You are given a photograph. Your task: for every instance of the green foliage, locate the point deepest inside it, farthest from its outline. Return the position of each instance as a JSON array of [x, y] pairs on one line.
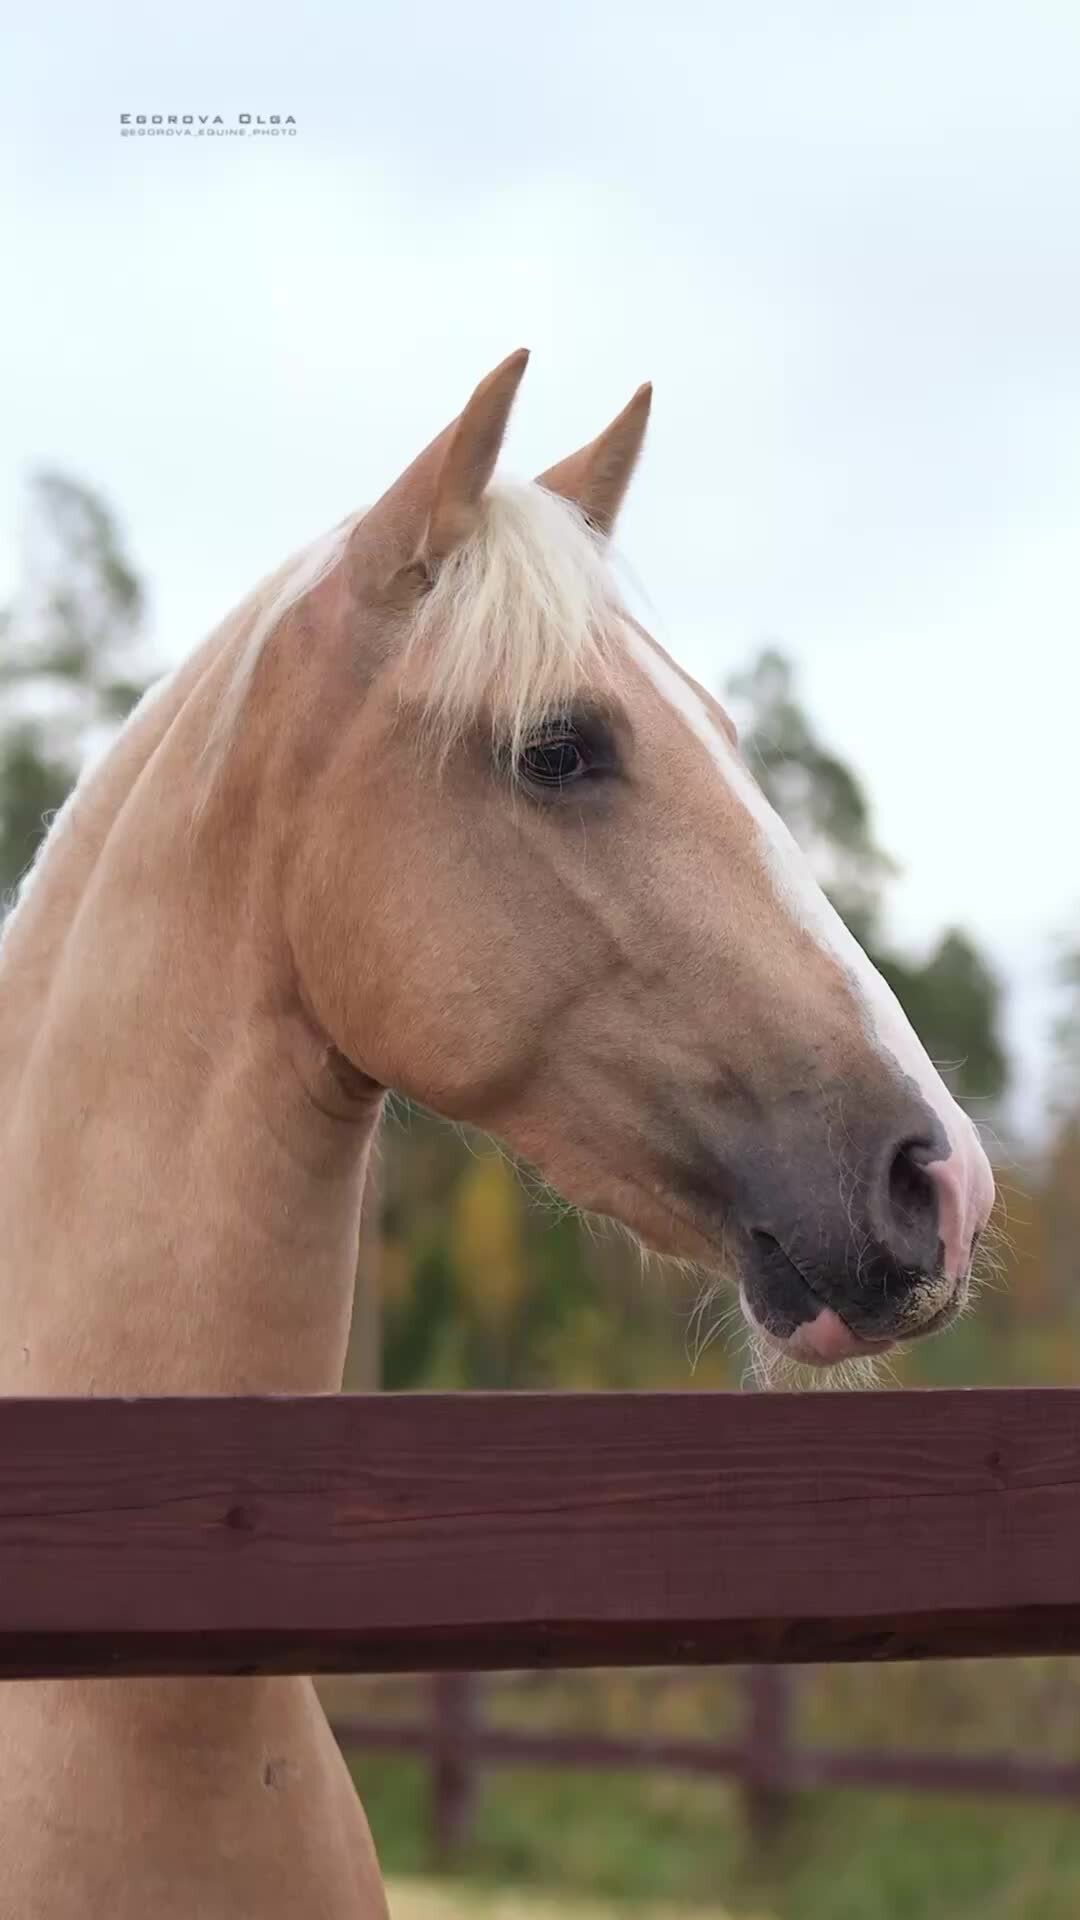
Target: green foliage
[[481, 1287], [1061, 1219], [417, 1328], [32, 786], [641, 1838], [64, 648], [953, 1001], [1065, 1091]]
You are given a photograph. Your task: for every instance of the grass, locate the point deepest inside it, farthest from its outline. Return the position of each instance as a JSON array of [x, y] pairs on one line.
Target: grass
[[630, 1844]]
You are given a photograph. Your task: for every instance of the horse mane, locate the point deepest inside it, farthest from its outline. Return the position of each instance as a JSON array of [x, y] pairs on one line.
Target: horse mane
[[516, 620], [267, 606]]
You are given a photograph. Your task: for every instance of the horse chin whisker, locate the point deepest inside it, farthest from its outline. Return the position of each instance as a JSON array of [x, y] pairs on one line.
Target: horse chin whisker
[[772, 1370]]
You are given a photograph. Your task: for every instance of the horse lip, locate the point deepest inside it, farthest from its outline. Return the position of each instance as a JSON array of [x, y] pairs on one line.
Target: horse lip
[[871, 1342], [776, 1247]]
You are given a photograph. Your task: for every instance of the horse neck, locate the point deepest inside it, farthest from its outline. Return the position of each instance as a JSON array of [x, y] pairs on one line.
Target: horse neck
[[182, 1171]]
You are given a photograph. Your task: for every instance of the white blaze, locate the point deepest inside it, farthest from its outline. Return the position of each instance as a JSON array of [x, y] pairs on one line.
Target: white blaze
[[887, 1026]]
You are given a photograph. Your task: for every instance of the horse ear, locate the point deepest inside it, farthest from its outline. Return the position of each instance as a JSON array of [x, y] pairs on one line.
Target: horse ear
[[435, 504], [597, 476]]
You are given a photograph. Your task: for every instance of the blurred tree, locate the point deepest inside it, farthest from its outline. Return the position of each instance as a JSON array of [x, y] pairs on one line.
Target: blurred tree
[[33, 785], [486, 1241], [1065, 1083], [819, 797], [1060, 1210], [65, 649], [952, 999]]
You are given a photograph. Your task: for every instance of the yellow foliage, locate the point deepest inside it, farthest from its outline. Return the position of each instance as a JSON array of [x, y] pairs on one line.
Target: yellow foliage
[[487, 1242]]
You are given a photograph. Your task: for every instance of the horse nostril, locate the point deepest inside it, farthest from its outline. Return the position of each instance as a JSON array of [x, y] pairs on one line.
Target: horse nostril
[[912, 1193]]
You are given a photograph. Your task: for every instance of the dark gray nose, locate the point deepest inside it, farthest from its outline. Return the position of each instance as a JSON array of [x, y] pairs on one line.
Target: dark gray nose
[[903, 1204], [856, 1231]]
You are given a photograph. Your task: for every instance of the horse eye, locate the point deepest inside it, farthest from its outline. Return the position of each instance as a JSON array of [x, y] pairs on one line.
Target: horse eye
[[564, 751], [555, 757], [553, 760]]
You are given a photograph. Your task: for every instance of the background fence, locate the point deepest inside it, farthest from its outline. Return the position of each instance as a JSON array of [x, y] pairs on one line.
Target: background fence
[[767, 1760]]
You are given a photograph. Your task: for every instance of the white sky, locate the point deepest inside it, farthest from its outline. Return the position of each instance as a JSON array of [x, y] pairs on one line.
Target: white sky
[[840, 238]]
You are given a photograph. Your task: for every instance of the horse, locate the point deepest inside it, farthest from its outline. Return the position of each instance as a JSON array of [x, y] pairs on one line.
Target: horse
[[430, 813]]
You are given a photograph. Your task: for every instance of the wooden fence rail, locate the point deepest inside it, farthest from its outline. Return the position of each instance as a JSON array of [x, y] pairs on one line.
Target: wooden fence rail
[[461, 1531]]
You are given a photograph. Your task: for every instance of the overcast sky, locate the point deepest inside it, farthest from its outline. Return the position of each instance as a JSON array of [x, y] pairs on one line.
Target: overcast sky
[[841, 239]]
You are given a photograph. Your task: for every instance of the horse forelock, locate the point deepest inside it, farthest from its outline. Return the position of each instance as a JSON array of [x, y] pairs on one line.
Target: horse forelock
[[516, 620]]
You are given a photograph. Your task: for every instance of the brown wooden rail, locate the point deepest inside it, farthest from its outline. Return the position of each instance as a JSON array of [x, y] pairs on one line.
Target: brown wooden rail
[[438, 1532], [768, 1761], [805, 1766]]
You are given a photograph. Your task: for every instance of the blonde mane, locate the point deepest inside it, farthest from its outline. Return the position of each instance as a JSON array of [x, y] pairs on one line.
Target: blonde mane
[[269, 604], [518, 618]]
